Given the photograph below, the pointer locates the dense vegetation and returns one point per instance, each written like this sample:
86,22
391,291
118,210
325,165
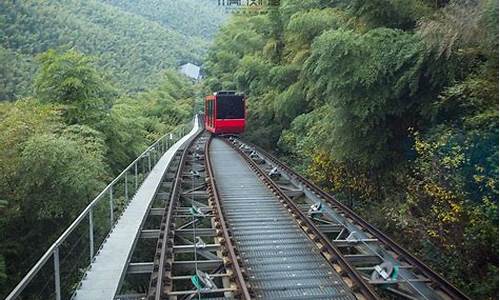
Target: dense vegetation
134,45
199,19
61,146
89,85
391,105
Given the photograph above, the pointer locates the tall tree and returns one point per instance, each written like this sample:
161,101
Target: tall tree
71,79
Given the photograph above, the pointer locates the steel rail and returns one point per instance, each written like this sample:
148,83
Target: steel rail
240,280
334,256
53,249
438,280
167,229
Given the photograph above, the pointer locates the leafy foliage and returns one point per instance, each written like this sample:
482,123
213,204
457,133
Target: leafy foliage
53,169
71,80
174,15
373,102
455,195
389,13
304,26
391,105
456,26
68,78
15,74
133,41
60,148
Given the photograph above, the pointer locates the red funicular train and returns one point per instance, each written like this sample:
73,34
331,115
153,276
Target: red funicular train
225,112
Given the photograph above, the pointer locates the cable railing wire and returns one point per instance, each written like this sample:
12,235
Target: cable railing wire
147,159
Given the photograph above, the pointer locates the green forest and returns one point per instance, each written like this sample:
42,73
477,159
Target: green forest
392,106
63,145
133,46
86,87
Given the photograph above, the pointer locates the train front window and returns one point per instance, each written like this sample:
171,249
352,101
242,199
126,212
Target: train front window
230,107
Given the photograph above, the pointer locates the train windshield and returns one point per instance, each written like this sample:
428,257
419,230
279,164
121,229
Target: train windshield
230,107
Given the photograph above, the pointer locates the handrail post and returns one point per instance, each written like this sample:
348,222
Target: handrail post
57,275
126,187
143,167
111,213
91,234
149,160
155,155
135,174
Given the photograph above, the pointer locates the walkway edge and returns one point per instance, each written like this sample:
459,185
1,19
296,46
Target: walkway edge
103,279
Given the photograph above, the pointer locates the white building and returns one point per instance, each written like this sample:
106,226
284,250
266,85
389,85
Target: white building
190,70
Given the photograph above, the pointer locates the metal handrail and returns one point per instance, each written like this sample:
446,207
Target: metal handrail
54,248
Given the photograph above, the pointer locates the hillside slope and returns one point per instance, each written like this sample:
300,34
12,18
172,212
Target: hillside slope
199,18
135,49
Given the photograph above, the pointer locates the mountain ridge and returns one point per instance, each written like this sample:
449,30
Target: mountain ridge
133,49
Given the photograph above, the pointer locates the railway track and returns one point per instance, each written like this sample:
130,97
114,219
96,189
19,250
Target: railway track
282,259
239,224
194,258
381,262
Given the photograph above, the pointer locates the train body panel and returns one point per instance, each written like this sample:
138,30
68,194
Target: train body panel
225,113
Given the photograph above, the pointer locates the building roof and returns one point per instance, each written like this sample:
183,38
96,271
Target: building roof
190,70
